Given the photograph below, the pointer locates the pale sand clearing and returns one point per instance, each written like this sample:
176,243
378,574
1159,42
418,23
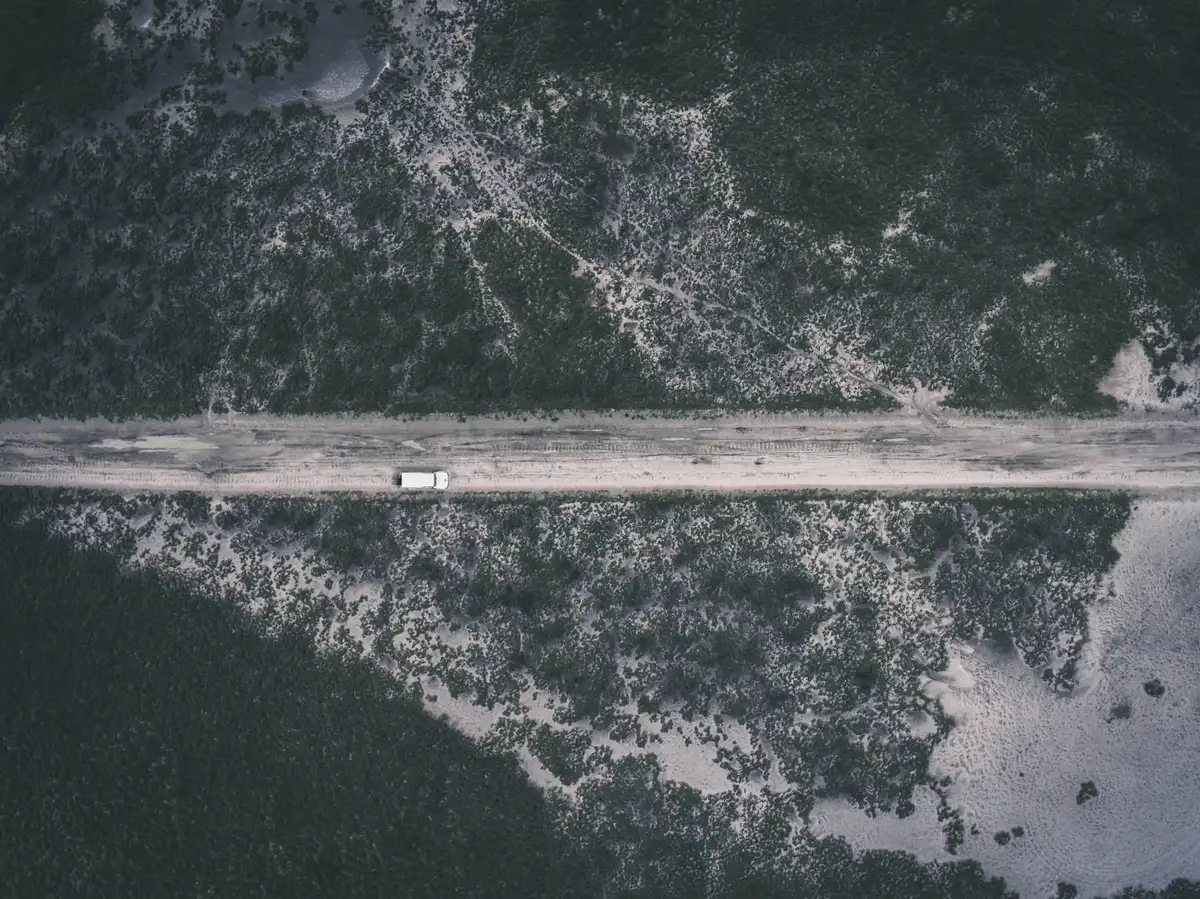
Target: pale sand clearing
1020,752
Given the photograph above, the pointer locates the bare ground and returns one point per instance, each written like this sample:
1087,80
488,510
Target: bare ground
610,453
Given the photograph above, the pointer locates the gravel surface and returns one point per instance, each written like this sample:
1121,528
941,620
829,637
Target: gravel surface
608,453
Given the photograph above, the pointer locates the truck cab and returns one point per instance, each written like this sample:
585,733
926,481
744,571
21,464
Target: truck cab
421,480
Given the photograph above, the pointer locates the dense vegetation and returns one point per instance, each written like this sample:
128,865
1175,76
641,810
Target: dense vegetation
1006,132
540,205
50,66
157,744
161,740
796,635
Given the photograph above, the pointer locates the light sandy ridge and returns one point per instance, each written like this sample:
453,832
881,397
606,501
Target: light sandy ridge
607,453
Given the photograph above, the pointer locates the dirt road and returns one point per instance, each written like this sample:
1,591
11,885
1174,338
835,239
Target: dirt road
615,453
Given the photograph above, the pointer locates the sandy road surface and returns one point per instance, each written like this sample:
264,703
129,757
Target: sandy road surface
606,453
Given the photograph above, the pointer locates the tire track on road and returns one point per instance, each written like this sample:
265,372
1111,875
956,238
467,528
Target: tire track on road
771,452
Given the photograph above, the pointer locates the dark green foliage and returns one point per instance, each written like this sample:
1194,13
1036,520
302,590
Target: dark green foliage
156,744
1120,712
830,118
300,517
188,750
570,354
670,49
933,529
195,508
583,665
990,594
802,134
564,753
1176,889
955,834
651,838
1087,790
50,65
355,534
351,331
1088,324
715,623
1154,688
277,261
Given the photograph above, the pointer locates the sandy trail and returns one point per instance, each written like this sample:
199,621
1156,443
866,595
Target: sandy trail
609,453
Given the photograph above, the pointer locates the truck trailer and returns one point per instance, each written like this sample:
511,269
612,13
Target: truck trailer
421,480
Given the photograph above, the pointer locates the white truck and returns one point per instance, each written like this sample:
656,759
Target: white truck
421,480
